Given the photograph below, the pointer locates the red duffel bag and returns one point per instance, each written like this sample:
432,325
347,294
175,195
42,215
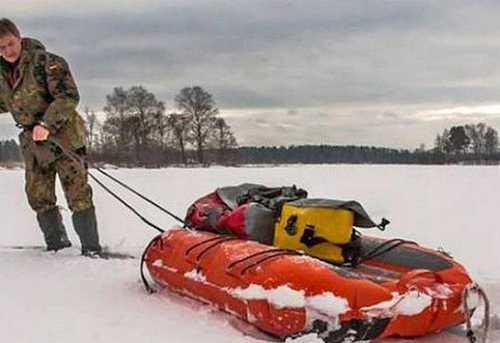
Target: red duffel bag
247,211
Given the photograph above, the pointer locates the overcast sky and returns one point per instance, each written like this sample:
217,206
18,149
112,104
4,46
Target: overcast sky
383,73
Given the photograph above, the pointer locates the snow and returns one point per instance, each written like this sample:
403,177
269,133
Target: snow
63,297
196,276
309,338
284,296
440,292
328,304
408,304
281,297
324,306
158,263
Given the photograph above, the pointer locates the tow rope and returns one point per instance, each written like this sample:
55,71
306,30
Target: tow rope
84,162
479,292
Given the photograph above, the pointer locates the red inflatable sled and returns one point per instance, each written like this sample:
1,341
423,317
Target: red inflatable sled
406,291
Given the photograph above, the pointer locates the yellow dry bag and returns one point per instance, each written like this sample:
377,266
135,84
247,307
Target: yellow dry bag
316,226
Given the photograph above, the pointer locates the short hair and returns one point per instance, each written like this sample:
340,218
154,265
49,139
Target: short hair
8,27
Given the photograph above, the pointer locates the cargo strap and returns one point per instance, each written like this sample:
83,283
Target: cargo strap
271,198
258,258
350,250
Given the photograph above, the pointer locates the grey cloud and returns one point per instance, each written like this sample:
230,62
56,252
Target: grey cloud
284,55
390,115
346,50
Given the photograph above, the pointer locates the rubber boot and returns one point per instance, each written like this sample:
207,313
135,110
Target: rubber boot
85,224
53,229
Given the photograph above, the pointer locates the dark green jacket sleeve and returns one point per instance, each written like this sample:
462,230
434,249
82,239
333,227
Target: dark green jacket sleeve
64,91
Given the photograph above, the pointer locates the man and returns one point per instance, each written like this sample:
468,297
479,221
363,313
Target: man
37,88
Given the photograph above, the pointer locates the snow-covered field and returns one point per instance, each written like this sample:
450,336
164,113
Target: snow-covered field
46,297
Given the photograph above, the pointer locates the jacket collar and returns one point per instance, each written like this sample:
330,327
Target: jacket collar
29,48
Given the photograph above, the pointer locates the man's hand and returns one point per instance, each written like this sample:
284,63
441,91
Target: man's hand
40,133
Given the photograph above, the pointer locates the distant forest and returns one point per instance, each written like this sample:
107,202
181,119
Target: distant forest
137,132
302,154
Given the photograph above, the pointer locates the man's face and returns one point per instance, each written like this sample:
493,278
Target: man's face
10,48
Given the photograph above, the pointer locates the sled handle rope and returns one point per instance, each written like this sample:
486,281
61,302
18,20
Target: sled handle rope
204,252
73,156
268,254
269,257
194,246
148,287
468,315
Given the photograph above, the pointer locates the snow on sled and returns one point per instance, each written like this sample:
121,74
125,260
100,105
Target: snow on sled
291,266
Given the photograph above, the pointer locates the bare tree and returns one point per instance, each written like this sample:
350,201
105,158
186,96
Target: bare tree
438,144
200,106
179,125
91,123
131,123
459,139
117,109
476,133
491,141
223,139
477,139
144,109
162,128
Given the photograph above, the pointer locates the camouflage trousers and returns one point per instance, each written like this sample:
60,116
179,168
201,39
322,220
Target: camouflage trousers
40,183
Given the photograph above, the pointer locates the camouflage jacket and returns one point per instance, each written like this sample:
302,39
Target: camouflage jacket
44,92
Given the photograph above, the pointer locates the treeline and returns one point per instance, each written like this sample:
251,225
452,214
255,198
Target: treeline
316,154
137,132
468,143
304,154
